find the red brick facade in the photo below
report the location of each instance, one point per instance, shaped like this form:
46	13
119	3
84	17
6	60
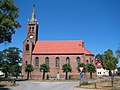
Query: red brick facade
52	64
32	49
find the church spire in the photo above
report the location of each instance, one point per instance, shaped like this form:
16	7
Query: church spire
33	18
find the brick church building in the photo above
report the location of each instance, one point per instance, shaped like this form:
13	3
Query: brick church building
53	53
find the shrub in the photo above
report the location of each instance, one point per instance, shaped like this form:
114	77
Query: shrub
47	77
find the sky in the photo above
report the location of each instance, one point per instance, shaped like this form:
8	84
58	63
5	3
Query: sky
96	22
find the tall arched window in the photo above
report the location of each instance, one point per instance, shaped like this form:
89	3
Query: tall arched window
47	61
78	61
57	62
67	60
27	47
36	62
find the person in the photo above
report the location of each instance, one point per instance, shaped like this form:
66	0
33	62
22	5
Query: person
58	76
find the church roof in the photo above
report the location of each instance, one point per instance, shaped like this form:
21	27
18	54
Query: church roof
60	47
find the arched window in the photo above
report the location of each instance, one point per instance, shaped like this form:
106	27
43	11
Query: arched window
91	61
67	60
57	60
29	28
32	29
36	62
47	61
27	47
78	61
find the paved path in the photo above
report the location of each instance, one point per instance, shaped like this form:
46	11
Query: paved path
28	85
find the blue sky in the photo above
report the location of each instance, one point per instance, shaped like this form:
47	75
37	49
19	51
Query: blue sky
96	22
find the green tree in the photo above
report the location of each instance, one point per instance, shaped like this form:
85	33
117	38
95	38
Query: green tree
66	68
45	68
1	57
16	69
5	68
118	52
109	62
12	55
10	58
91	69
8	22
99	57
28	70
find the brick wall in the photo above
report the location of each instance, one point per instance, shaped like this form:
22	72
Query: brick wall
53	70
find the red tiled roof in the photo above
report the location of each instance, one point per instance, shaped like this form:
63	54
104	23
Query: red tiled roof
60	47
98	63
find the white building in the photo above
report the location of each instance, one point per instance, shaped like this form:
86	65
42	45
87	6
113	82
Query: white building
100	70
1	73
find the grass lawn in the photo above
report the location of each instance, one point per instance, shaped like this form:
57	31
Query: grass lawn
104	85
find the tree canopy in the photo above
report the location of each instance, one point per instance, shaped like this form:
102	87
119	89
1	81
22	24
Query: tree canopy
10	59
12	55
28	69
109	61
66	68
118	52
81	65
8	22
91	69
99	57
44	68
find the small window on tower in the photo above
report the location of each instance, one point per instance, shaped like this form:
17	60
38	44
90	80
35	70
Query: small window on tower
32	29
29	28
27	47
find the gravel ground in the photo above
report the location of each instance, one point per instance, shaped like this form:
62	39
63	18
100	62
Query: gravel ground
28	85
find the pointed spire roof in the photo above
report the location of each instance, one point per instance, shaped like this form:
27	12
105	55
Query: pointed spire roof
33	17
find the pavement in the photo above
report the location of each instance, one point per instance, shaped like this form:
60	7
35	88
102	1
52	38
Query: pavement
30	85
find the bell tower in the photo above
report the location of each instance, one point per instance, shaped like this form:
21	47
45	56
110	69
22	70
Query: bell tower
30	41
32	29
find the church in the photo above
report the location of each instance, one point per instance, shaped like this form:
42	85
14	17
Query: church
53	53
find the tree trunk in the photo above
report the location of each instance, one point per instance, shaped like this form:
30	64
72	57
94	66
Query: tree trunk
6	75
43	75
66	75
110	73
16	76
28	76
91	75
